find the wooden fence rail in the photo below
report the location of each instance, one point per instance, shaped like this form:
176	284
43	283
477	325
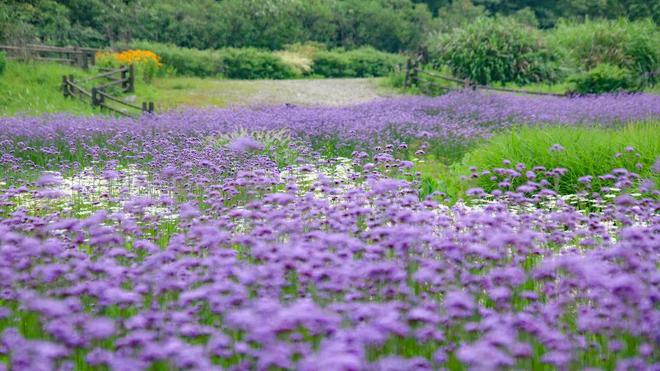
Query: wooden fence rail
81	57
414	70
98	96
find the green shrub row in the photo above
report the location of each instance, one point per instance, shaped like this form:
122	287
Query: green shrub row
244	63
250	63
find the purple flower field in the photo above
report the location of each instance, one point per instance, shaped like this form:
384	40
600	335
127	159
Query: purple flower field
296	238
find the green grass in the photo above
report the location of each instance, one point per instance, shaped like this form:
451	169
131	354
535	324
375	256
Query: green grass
34	88
587	151
173	92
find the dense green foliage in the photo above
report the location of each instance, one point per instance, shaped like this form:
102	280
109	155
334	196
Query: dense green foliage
495	50
603	78
250	63
631	45
548	12
392	25
363	62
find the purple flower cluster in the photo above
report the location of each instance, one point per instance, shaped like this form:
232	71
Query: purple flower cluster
167	250
464	114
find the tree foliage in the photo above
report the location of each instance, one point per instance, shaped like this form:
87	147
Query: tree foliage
389	25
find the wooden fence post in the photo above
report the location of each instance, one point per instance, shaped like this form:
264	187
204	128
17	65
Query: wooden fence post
148	107
95	97
85	60
414	75
65	87
406	81
123	76
75	57
131	79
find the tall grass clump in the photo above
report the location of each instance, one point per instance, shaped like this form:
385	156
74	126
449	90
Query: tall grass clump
582	151
491	50
631	45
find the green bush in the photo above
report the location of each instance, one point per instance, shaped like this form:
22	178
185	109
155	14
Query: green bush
631	45
332	64
495	50
603	78
362	62
249	63
3	62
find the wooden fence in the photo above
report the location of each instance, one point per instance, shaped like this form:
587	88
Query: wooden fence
414	71
77	56
98	96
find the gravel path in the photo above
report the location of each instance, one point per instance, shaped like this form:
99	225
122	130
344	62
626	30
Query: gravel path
325	92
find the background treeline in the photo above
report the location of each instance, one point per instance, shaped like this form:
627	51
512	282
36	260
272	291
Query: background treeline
388	25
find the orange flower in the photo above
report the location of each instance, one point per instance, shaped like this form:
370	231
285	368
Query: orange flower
131	57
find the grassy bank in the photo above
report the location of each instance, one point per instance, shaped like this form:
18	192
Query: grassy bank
34	88
583	151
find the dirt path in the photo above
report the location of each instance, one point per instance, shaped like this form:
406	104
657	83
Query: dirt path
176	93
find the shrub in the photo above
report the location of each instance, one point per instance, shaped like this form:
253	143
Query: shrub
3	62
603	78
332	64
250	63
631	45
495	50
362	62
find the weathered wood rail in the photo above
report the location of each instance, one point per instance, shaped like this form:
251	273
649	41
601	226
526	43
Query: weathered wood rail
74	55
98	96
